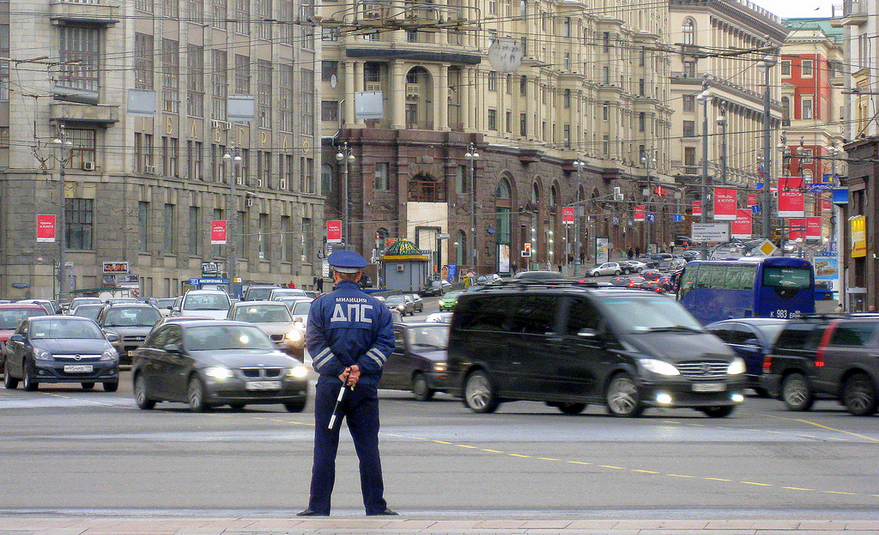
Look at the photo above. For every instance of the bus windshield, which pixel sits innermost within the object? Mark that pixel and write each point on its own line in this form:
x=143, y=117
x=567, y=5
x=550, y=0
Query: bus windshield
x=785, y=277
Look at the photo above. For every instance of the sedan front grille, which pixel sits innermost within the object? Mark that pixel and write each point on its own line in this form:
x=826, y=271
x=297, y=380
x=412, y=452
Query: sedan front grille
x=277, y=337
x=257, y=373
x=707, y=369
x=77, y=358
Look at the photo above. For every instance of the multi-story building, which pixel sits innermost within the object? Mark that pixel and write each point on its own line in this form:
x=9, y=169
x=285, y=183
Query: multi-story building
x=143, y=188
x=576, y=109
x=718, y=94
x=860, y=19
x=812, y=102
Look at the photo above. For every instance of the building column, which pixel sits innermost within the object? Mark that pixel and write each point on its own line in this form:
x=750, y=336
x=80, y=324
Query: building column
x=397, y=87
x=441, y=97
x=350, y=91
x=472, y=102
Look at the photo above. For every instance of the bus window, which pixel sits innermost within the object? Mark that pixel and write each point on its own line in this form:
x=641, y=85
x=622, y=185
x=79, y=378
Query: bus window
x=786, y=277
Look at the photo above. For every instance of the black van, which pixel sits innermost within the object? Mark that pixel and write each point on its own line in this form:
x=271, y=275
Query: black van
x=569, y=345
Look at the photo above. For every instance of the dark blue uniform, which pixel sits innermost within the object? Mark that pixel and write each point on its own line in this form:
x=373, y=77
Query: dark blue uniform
x=348, y=327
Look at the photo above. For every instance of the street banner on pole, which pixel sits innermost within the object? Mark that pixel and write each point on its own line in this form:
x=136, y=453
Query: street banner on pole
x=639, y=212
x=334, y=231
x=45, y=228
x=724, y=204
x=791, y=198
x=218, y=232
x=568, y=215
x=741, y=227
x=813, y=228
x=797, y=226
x=697, y=208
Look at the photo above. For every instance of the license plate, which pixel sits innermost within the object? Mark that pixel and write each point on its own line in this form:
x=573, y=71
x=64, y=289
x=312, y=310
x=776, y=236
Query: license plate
x=78, y=368
x=709, y=387
x=264, y=385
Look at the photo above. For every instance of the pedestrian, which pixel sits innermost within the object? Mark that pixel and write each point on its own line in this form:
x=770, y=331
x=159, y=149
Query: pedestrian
x=514, y=268
x=630, y=253
x=350, y=336
x=638, y=251
x=319, y=284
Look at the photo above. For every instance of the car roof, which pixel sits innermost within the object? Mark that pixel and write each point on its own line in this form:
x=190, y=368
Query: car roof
x=16, y=306
x=261, y=302
x=750, y=321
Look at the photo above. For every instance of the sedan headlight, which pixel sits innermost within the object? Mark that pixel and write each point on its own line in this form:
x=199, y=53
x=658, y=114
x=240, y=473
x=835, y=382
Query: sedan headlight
x=299, y=372
x=439, y=367
x=42, y=354
x=295, y=335
x=109, y=354
x=660, y=367
x=219, y=373
x=736, y=367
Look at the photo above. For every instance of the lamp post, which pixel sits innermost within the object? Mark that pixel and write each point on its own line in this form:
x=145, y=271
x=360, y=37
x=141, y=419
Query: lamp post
x=233, y=160
x=704, y=97
x=721, y=122
x=785, y=153
x=63, y=145
x=766, y=65
x=345, y=157
x=648, y=194
x=472, y=156
x=579, y=164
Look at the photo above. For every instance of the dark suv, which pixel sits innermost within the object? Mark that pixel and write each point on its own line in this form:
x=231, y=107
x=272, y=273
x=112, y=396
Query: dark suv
x=569, y=345
x=826, y=357
x=131, y=323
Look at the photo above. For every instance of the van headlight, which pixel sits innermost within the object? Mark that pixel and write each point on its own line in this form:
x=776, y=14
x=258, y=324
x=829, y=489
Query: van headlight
x=736, y=367
x=298, y=372
x=219, y=373
x=659, y=367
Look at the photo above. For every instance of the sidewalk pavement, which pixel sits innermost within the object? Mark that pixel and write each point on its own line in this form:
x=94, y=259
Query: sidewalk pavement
x=465, y=524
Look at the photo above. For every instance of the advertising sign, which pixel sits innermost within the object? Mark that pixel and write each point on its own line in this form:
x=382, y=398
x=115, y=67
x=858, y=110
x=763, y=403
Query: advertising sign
x=752, y=199
x=791, y=199
x=639, y=212
x=796, y=228
x=568, y=215
x=45, y=228
x=334, y=231
x=602, y=249
x=697, y=208
x=741, y=227
x=813, y=228
x=114, y=267
x=218, y=232
x=724, y=204
x=858, y=227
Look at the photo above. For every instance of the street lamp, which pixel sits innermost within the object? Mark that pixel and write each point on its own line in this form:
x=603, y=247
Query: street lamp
x=345, y=157
x=721, y=122
x=63, y=144
x=704, y=97
x=234, y=159
x=579, y=164
x=472, y=156
x=785, y=153
x=765, y=65
x=648, y=193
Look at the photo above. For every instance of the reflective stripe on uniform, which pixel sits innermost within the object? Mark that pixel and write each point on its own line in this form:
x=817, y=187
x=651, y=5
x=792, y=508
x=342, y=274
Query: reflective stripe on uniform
x=377, y=356
x=322, y=358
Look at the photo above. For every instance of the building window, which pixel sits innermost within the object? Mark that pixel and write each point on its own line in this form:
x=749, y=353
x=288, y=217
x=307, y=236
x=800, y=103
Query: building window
x=242, y=17
x=566, y=99
x=219, y=85
x=689, y=103
x=195, y=81
x=285, y=97
x=143, y=61
x=194, y=230
x=423, y=188
x=605, y=42
x=807, y=109
x=642, y=56
x=329, y=110
x=262, y=236
x=264, y=93
x=785, y=67
x=689, y=128
x=326, y=178
x=79, y=221
x=78, y=59
x=688, y=29
x=523, y=124
x=285, y=238
x=265, y=19
x=689, y=69
x=193, y=159
x=219, y=14
x=242, y=74
x=785, y=111
x=382, y=176
x=605, y=75
x=642, y=87
x=329, y=34
x=195, y=11
x=306, y=97
x=690, y=160
x=492, y=119
x=605, y=111
x=642, y=121
x=566, y=139
x=492, y=80
x=566, y=61
x=461, y=179
x=805, y=156
x=523, y=86
x=144, y=5
x=143, y=226
x=170, y=76
x=605, y=145
x=170, y=9
x=509, y=122
x=84, y=147
x=806, y=68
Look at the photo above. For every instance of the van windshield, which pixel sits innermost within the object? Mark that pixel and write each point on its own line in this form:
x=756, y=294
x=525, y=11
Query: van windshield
x=650, y=314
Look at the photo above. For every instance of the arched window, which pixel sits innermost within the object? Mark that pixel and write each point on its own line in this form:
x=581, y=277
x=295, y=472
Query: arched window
x=689, y=31
x=553, y=197
x=381, y=238
x=503, y=211
x=326, y=178
x=535, y=194
x=423, y=188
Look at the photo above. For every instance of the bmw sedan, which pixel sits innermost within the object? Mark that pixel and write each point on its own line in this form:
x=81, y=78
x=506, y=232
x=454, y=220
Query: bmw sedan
x=60, y=349
x=207, y=363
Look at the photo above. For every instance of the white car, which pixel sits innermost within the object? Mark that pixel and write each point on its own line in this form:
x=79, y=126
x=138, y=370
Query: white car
x=275, y=320
x=204, y=303
x=607, y=268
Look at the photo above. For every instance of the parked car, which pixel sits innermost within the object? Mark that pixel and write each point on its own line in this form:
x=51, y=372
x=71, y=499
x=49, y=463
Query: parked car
x=259, y=292
x=632, y=266
x=607, y=268
x=275, y=319
x=216, y=362
x=449, y=300
x=400, y=303
x=826, y=357
x=417, y=301
x=418, y=363
x=491, y=278
x=433, y=288
x=570, y=345
x=210, y=303
x=299, y=311
x=751, y=339
x=11, y=316
x=60, y=349
x=130, y=322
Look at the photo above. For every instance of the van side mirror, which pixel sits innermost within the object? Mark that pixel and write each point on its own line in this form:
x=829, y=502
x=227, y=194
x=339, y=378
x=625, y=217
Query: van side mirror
x=17, y=338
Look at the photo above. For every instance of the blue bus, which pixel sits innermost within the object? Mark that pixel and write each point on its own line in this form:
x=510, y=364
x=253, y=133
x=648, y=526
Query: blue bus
x=750, y=287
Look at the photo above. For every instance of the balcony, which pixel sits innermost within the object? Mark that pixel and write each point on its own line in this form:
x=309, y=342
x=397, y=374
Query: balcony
x=854, y=12
x=101, y=114
x=84, y=12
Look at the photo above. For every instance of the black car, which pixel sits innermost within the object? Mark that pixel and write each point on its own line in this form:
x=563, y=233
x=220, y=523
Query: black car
x=569, y=345
x=60, y=349
x=826, y=357
x=418, y=362
x=130, y=322
x=207, y=363
x=751, y=339
x=436, y=287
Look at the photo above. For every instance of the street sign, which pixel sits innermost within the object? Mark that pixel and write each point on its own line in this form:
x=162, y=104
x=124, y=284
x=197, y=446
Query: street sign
x=114, y=267
x=766, y=248
x=710, y=232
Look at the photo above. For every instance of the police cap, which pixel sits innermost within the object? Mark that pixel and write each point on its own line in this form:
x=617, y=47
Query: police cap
x=346, y=262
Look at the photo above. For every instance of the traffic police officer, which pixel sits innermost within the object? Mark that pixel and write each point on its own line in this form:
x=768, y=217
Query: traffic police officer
x=349, y=335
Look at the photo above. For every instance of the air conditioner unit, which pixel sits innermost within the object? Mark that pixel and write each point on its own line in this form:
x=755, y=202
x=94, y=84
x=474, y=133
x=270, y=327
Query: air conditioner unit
x=282, y=184
x=88, y=166
x=220, y=125
x=400, y=268
x=149, y=169
x=239, y=180
x=373, y=86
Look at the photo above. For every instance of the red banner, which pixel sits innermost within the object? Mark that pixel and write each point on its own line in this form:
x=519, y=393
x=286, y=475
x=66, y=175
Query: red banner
x=791, y=198
x=568, y=215
x=45, y=228
x=724, y=204
x=639, y=212
x=796, y=228
x=697, y=208
x=334, y=231
x=741, y=227
x=813, y=228
x=752, y=199
x=218, y=232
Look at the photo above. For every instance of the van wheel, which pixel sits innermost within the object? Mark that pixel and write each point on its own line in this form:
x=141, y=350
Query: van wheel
x=859, y=395
x=571, y=408
x=795, y=392
x=718, y=412
x=622, y=396
x=420, y=389
x=479, y=393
